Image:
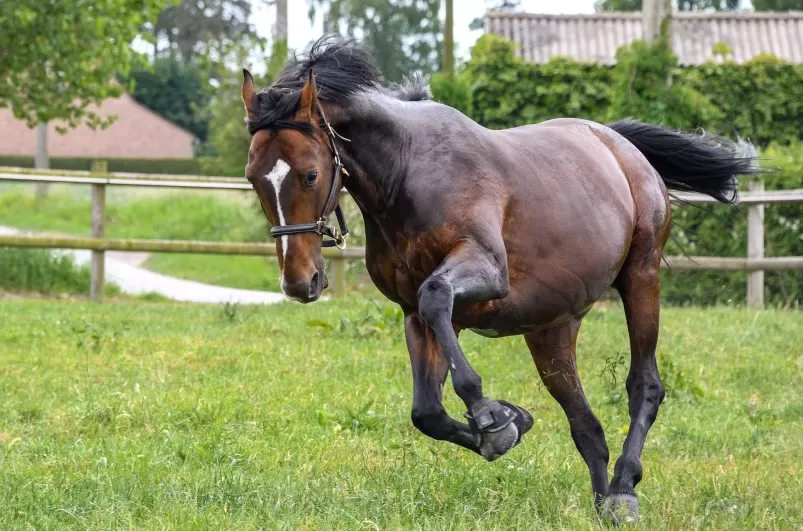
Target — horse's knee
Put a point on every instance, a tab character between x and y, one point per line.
435	297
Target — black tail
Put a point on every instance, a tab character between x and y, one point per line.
702	163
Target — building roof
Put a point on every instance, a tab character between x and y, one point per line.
138	133
595	38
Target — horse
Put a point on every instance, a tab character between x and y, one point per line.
502	232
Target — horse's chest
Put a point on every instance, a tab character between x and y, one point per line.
392	277
398	273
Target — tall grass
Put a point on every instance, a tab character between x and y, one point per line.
37	270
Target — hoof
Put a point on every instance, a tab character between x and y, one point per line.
620	508
508	423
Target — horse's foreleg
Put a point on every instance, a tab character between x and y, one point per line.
429	373
470	274
638	286
553	351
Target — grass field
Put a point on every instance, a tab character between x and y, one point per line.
160	415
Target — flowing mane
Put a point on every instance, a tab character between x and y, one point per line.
342	70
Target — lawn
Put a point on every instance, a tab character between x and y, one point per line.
162	415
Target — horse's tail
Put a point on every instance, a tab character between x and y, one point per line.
701	162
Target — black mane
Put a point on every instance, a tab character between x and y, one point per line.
341	70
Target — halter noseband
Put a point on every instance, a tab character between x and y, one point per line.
319	227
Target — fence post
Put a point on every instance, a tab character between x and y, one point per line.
337	280
97	278
755	248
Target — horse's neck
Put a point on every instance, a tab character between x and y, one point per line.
376	154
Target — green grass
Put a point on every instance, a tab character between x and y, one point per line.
40	271
243	272
161	415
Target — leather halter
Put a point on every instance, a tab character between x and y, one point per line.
319	227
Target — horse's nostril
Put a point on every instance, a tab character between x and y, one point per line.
313	285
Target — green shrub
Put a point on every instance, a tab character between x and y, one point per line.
758	99
37	270
644	86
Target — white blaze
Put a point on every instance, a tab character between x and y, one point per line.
276	178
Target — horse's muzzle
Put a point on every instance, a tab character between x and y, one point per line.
306	290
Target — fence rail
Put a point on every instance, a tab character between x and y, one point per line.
755	263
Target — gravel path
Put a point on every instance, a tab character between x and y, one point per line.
124	269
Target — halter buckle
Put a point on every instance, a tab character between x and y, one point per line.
340	240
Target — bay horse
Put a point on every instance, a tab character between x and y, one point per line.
503	232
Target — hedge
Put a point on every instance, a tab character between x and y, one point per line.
759	99
159	166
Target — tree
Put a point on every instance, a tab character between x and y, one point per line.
57	58
495	5
180	92
448	39
403	35
229	139
778	5
678	5
205	31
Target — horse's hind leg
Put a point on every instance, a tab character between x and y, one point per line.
638	285
429	372
553	351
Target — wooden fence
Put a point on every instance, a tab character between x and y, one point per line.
755	263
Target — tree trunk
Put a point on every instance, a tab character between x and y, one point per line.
448	39
653	13
281	20
41	160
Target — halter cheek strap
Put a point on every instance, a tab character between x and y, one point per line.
339	173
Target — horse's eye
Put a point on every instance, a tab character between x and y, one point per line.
312	177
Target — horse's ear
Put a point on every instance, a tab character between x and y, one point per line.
249	94
308	104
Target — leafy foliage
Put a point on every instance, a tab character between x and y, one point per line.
403	35
208	31
506	92
178	91
679	5
757	99
57	58
229	139
643	86
777	5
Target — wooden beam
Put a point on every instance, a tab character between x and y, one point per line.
698	263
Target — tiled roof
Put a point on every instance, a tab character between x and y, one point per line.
595	38
138	133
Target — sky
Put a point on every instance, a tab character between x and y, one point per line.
302	32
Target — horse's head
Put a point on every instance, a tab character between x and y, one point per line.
295	169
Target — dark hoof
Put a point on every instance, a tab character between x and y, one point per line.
620	508
501	428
